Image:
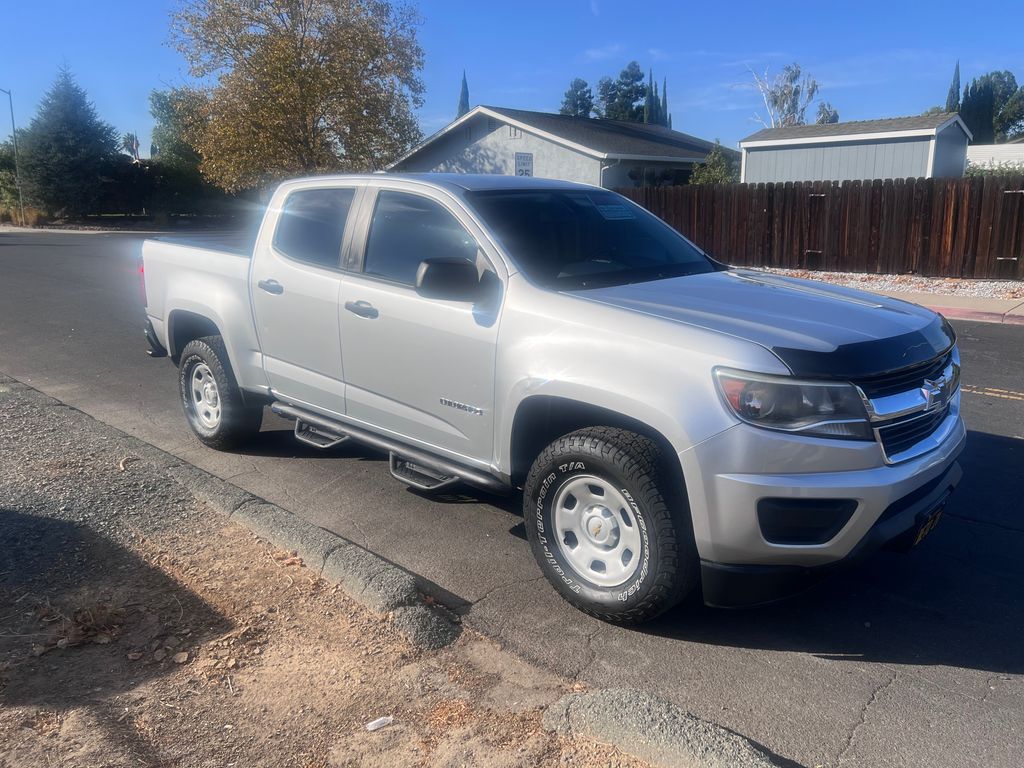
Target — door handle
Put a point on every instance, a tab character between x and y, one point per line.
271	286
362	308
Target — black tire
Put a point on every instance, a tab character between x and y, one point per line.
238	423
668	566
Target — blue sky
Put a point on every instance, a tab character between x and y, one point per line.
873	59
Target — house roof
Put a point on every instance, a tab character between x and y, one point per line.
603	139
856	130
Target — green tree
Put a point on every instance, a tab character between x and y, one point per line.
651	100
665	118
578	100
953	97
463	97
717	168
786	96
993	107
178	121
178	184
9	203
65	150
826	113
623	98
300	87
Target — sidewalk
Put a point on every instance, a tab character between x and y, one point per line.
983	309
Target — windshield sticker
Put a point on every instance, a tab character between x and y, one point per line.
613	211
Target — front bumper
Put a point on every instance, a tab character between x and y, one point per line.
736	586
765	465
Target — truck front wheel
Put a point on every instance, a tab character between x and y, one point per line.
210	397
596	510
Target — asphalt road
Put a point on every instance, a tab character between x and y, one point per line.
912	660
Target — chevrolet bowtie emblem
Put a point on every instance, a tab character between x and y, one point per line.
934	391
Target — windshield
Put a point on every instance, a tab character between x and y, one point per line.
570	239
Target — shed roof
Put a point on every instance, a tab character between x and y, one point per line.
857	130
603	139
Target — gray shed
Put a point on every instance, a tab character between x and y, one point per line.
898	148
607	153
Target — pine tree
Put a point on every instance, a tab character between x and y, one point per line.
650	107
463	97
578	100
626	95
66	149
953	97
666	119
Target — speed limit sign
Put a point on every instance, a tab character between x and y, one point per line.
524	163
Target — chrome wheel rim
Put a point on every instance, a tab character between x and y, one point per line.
205	396
597	531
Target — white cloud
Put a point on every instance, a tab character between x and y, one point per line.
594	9
605	52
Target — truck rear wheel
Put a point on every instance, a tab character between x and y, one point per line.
213	404
599	523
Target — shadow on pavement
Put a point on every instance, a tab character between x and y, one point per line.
954	600
76	608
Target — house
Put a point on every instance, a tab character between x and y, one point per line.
607	153
902	147
1009	155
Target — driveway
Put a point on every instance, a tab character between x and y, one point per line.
911	660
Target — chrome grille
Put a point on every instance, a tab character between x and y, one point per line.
903	434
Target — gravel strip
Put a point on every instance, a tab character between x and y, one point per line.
70	441
949	286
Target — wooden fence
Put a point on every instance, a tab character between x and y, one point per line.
972	227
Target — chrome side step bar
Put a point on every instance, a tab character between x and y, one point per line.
414	466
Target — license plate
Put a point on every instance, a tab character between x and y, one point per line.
929	522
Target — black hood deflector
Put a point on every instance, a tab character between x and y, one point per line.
865	359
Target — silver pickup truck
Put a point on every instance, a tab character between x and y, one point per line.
674	424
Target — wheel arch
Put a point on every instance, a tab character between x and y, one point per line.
184	326
541	419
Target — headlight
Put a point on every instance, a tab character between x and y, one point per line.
820	409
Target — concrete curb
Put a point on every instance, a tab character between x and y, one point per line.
379	584
653	730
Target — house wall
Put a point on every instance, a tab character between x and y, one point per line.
645	174
485	145
890	159
950	153
996	155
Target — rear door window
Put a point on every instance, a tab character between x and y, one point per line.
312	224
407	229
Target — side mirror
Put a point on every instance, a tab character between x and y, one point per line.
451	278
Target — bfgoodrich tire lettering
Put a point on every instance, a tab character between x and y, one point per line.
210	396
626	470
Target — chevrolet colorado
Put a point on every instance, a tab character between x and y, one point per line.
674	424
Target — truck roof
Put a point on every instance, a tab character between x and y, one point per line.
470	182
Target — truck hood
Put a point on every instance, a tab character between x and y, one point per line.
816	329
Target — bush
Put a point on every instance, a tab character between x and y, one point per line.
993	168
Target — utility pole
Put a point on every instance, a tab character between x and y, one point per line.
14	138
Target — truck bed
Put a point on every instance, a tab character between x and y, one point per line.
186	280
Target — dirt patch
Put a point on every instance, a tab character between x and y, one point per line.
138	628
